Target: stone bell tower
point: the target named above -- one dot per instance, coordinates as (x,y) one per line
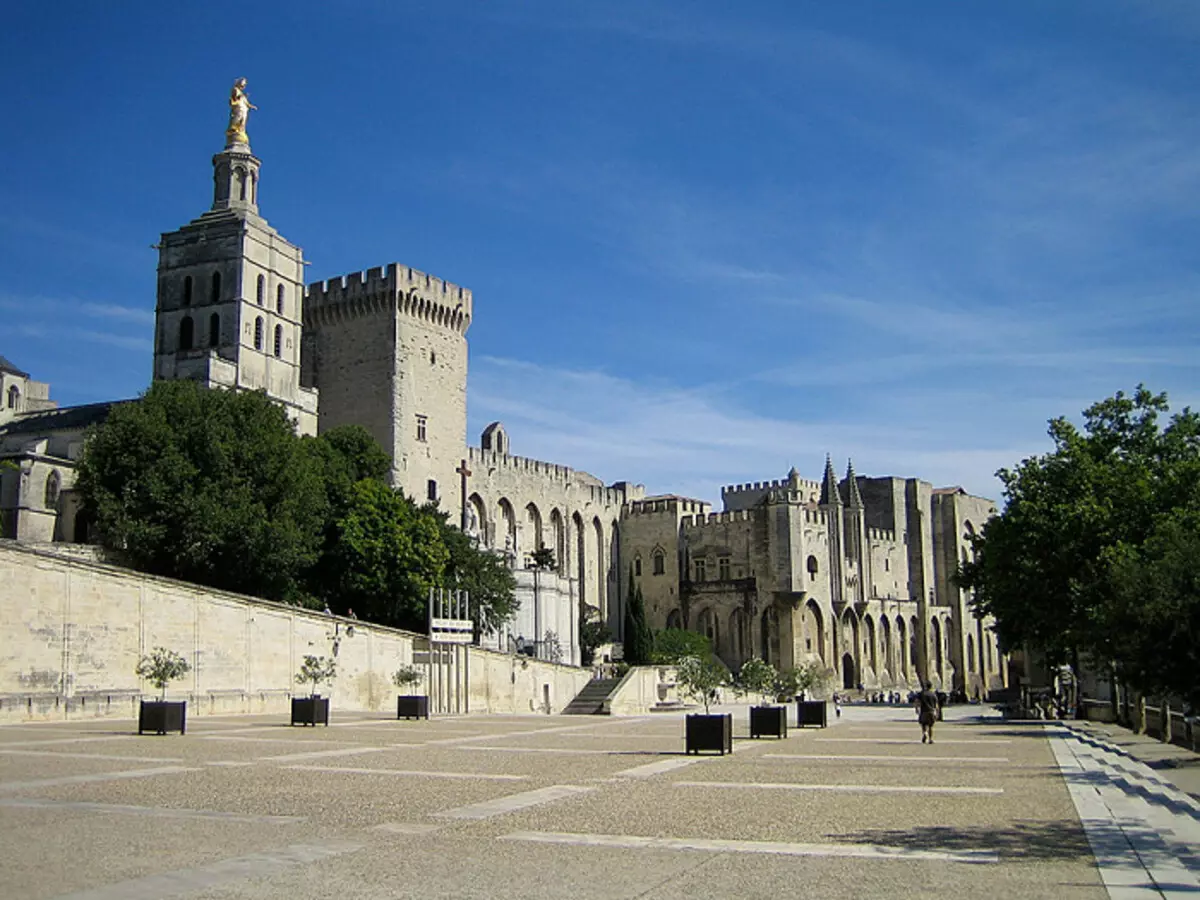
(230,289)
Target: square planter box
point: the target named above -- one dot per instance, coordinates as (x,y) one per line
(705,732)
(412,706)
(812,712)
(310,711)
(768,720)
(161,716)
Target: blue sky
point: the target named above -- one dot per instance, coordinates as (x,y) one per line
(707,241)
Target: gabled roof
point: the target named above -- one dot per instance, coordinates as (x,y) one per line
(69,418)
(6,366)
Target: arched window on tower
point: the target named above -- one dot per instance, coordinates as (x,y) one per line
(812,567)
(187,291)
(262,290)
(279,299)
(258,333)
(240,174)
(214,330)
(660,560)
(216,287)
(14,397)
(279,340)
(186,333)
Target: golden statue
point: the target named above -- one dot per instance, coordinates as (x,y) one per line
(239,113)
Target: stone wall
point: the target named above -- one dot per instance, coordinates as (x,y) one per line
(75,630)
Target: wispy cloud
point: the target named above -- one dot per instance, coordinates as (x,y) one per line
(692,442)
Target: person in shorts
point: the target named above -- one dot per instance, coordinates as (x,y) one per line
(927,711)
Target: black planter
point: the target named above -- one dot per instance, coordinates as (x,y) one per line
(768,721)
(812,712)
(705,732)
(412,706)
(161,716)
(310,711)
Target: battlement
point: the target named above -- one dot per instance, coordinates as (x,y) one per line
(667,506)
(717,518)
(881,535)
(815,517)
(597,493)
(403,288)
(792,489)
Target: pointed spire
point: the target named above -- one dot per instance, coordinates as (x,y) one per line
(854,498)
(793,477)
(830,495)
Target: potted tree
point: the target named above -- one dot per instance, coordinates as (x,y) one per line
(757,676)
(809,677)
(314,708)
(410,706)
(700,679)
(161,667)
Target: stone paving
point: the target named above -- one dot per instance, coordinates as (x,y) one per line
(588,807)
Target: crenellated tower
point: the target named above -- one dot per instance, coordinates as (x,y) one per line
(389,352)
(230,289)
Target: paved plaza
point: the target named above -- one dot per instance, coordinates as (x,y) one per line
(586,807)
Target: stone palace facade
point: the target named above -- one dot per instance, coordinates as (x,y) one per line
(854,572)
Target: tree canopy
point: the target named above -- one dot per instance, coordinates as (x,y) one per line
(209,486)
(1089,555)
(215,487)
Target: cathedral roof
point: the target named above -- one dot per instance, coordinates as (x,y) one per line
(6,366)
(69,418)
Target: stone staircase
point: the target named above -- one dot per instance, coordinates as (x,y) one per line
(590,701)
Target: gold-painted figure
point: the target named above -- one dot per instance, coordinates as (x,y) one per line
(239,113)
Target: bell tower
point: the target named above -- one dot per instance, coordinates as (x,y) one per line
(230,289)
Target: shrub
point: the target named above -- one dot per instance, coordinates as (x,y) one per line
(162,667)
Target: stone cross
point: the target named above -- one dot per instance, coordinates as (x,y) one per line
(464,473)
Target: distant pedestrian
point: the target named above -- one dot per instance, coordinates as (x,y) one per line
(350,614)
(837,705)
(928,708)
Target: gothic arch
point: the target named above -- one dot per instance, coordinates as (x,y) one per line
(585,596)
(675,618)
(935,640)
(737,636)
(601,573)
(770,635)
(813,628)
(480,509)
(506,526)
(558,534)
(709,625)
(533,528)
(53,489)
(905,647)
(869,645)
(885,640)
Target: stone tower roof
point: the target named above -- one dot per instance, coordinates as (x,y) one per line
(6,366)
(853,497)
(830,495)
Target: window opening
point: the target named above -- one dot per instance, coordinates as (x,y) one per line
(258,333)
(279,340)
(422,431)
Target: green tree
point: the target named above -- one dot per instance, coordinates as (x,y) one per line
(384,555)
(673,644)
(1154,611)
(592,634)
(210,486)
(639,640)
(1059,568)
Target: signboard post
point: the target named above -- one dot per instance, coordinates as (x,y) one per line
(451,632)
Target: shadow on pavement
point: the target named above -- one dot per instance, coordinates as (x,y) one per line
(1028,840)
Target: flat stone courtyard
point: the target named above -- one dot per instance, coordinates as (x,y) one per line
(558,806)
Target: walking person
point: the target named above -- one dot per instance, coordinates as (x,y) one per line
(928,707)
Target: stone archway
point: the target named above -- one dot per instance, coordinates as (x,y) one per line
(849,675)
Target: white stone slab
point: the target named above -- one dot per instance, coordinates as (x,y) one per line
(514,802)
(843,788)
(857,851)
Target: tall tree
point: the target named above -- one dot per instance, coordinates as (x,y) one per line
(1082,527)
(209,486)
(639,640)
(384,556)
